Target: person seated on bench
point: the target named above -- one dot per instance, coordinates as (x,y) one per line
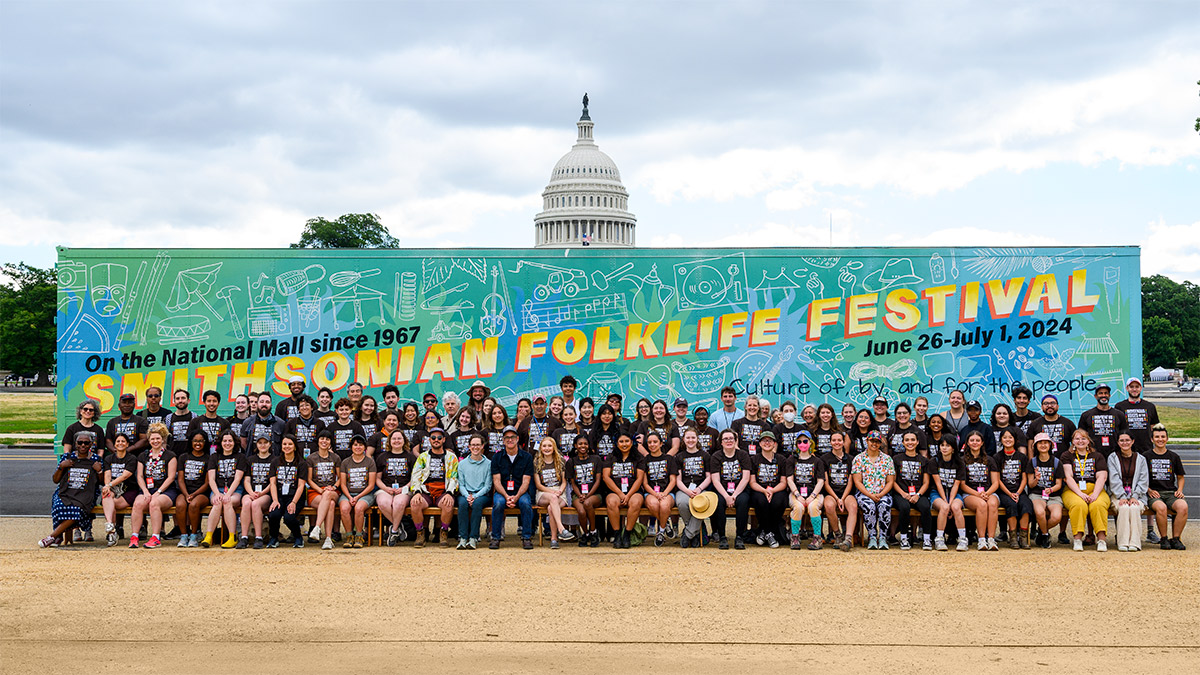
(805,479)
(474,484)
(949,472)
(357,484)
(512,479)
(287,491)
(874,474)
(1045,487)
(1128,484)
(193,489)
(434,482)
(1166,488)
(116,492)
(225,472)
(695,476)
(156,478)
(257,499)
(550,483)
(583,475)
(1013,466)
(395,464)
(979,489)
(1086,474)
(324,465)
(661,476)
(912,490)
(624,478)
(731,478)
(768,489)
(77,475)
(839,491)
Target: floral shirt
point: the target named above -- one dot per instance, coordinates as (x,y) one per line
(874,472)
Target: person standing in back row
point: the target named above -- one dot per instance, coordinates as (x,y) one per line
(1102,423)
(1140,415)
(723,418)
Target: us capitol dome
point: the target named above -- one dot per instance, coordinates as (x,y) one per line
(585,203)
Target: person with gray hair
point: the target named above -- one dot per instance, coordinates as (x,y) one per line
(77,476)
(451,403)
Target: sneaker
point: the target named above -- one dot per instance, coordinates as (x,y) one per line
(494,544)
(832,539)
(760,539)
(337,537)
(1089,539)
(1044,540)
(471,543)
(723,544)
(660,538)
(904,544)
(1101,545)
(927,545)
(445,539)
(770,539)
(462,545)
(50,542)
(133,541)
(962,545)
(554,544)
(87,536)
(1078,545)
(244,542)
(872,543)
(183,541)
(1062,538)
(983,545)
(883,544)
(348,541)
(527,544)
(420,540)
(315,535)
(1166,544)
(939,543)
(595,540)
(1001,537)
(846,543)
(1177,544)
(194,542)
(795,542)
(273,542)
(328,545)
(110,534)
(393,538)
(566,535)
(154,542)
(1153,538)
(669,530)
(738,544)
(258,543)
(172,534)
(298,542)
(1123,549)
(584,540)
(815,544)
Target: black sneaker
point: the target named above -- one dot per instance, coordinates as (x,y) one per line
(739,544)
(1177,544)
(594,540)
(1001,537)
(494,544)
(337,537)
(1044,540)
(258,543)
(298,542)
(1062,538)
(273,542)
(172,535)
(1165,544)
(527,544)
(723,544)
(584,540)
(242,543)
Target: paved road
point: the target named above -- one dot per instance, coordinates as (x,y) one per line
(25,486)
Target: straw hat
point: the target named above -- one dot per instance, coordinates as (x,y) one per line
(703,505)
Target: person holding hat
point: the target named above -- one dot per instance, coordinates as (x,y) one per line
(624,477)
(132,426)
(1045,487)
(1058,428)
(874,474)
(77,475)
(1103,422)
(434,482)
(257,498)
(805,479)
(694,478)
(1128,486)
(289,408)
(1086,474)
(768,488)
(512,478)
(976,424)
(1166,488)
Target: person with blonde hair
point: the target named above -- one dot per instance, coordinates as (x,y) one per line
(550,483)
(156,479)
(1086,474)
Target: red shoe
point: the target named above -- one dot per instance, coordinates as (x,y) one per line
(154,542)
(133,541)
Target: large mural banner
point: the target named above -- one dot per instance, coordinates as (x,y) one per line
(808,325)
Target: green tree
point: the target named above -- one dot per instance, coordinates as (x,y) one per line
(1179,304)
(1162,342)
(352,230)
(1192,369)
(28,299)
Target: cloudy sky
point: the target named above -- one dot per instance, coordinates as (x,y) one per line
(213,124)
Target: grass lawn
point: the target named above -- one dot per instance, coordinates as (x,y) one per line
(27,413)
(1180,422)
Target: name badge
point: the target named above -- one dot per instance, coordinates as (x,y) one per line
(804,491)
(395,486)
(753,449)
(624,485)
(912,490)
(287,488)
(1104,440)
(692,486)
(584,488)
(1046,495)
(150,482)
(258,488)
(729,487)
(512,485)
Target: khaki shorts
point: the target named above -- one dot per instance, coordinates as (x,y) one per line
(1056,499)
(1167,498)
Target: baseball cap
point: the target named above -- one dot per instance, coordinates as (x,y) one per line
(680,402)
(767,434)
(539,397)
(437,430)
(879,400)
(128,397)
(1132,380)
(1050,396)
(875,436)
(974,404)
(1103,386)
(507,429)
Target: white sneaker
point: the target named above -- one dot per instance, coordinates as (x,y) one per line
(992,544)
(183,541)
(982,545)
(315,535)
(940,543)
(1101,545)
(328,544)
(1122,549)
(962,544)
(1078,545)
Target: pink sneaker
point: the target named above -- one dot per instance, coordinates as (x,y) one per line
(154,542)
(48,542)
(133,541)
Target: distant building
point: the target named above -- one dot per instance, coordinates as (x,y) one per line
(585,203)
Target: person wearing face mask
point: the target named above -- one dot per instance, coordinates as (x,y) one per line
(1103,422)
(131,426)
(788,429)
(805,479)
(1058,428)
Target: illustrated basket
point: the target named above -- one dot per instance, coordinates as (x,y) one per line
(702,377)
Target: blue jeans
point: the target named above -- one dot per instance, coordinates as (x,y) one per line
(469,516)
(524,505)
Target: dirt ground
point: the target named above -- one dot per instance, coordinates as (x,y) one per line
(591,610)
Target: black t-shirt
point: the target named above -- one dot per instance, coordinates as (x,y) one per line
(369,427)
(156,469)
(305,431)
(979,473)
(549,476)
(259,474)
(119,465)
(585,473)
(910,471)
(69,434)
(694,467)
(885,428)
(896,439)
(707,439)
(533,430)
(1060,431)
(837,472)
(226,467)
(1012,469)
(437,468)
(766,471)
(821,438)
(288,475)
(805,472)
(731,468)
(948,471)
(287,409)
(1139,417)
(460,442)
(178,424)
(565,438)
(624,471)
(132,428)
(1023,422)
(212,427)
(342,433)
(787,437)
(194,470)
(659,470)
(666,431)
(1103,427)
(159,416)
(395,470)
(1022,441)
(604,443)
(1164,469)
(749,432)
(1046,474)
(1084,467)
(77,486)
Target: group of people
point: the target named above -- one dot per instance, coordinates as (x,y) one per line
(804,473)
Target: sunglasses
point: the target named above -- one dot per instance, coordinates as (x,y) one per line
(153,395)
(91,410)
(436,437)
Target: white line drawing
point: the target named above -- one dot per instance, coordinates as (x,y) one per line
(437,271)
(407,290)
(846,278)
(226,294)
(131,300)
(1112,293)
(653,384)
(650,300)
(1098,346)
(428,305)
(308,311)
(264,318)
(702,377)
(825,262)
(937,269)
(867,370)
(827,355)
(476,267)
(109,288)
(455,329)
(496,311)
(141,321)
(294,281)
(570,282)
(600,280)
(85,335)
(183,328)
(600,385)
(954,265)
(895,272)
(349,278)
(937,364)
(1057,363)
(998,263)
(266,292)
(1113,378)
(711,282)
(975,366)
(757,365)
(1042,263)
(779,282)
(191,286)
(815,287)
(1003,363)
(72,284)
(508,397)
(588,311)
(356,295)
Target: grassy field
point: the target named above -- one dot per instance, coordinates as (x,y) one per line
(27,413)
(1181,422)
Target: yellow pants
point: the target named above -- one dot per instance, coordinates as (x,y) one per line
(1079,510)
